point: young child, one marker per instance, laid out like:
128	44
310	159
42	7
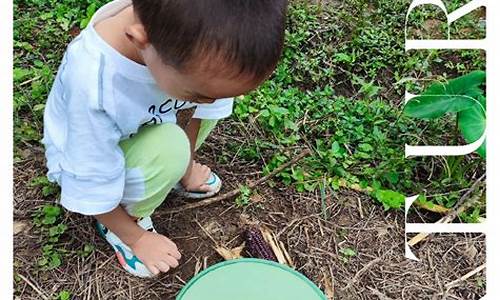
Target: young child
110	131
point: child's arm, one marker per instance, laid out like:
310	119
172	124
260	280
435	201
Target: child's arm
157	252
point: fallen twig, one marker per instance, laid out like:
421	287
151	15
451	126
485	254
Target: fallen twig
365	268
361	272
465	277
379	294
39	292
432	207
462	204
418	238
237	191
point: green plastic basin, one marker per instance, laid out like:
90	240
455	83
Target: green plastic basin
250	279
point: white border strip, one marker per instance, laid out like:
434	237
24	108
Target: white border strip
493	147
446	228
6	193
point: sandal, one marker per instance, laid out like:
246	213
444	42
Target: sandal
213	181
125	256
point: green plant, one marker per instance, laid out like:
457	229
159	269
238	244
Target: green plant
463	96
86	251
48	220
244	198
480	282
347	253
89	13
390	199
47	215
369	89
48	188
64	295
472	216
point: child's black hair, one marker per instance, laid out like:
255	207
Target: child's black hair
248	34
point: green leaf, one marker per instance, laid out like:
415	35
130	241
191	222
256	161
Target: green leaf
440	98
472	123
51	210
365	147
20	74
390	199
88	248
55	261
43	261
363	155
348	252
47	248
393	177
343	57
64	295
290	125
435	106
39	107
370	89
277	110
468	84
49	220
57	230
336	150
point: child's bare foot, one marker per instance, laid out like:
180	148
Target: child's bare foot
157	252
199	182
196	179
150	254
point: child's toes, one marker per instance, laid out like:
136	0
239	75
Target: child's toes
153	269
163	266
172	262
204	188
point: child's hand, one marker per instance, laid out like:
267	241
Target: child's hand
157	252
196	178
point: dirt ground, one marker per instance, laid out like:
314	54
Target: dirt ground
313	232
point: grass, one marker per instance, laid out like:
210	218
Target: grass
338	90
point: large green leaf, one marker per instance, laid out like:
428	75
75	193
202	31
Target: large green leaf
472	123
453	96
468	84
435	106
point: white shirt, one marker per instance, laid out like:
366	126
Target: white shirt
98	98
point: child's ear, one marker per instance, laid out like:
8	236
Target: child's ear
137	35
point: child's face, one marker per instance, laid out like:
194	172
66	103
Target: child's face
208	79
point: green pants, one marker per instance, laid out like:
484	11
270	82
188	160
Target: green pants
156	159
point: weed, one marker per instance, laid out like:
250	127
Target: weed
347	253
48	220
86	251
244	198
64	295
390	199
48	188
472	216
358	136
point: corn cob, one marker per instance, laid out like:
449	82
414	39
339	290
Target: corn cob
256	246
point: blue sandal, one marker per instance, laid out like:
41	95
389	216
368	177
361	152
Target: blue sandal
213	181
125	256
